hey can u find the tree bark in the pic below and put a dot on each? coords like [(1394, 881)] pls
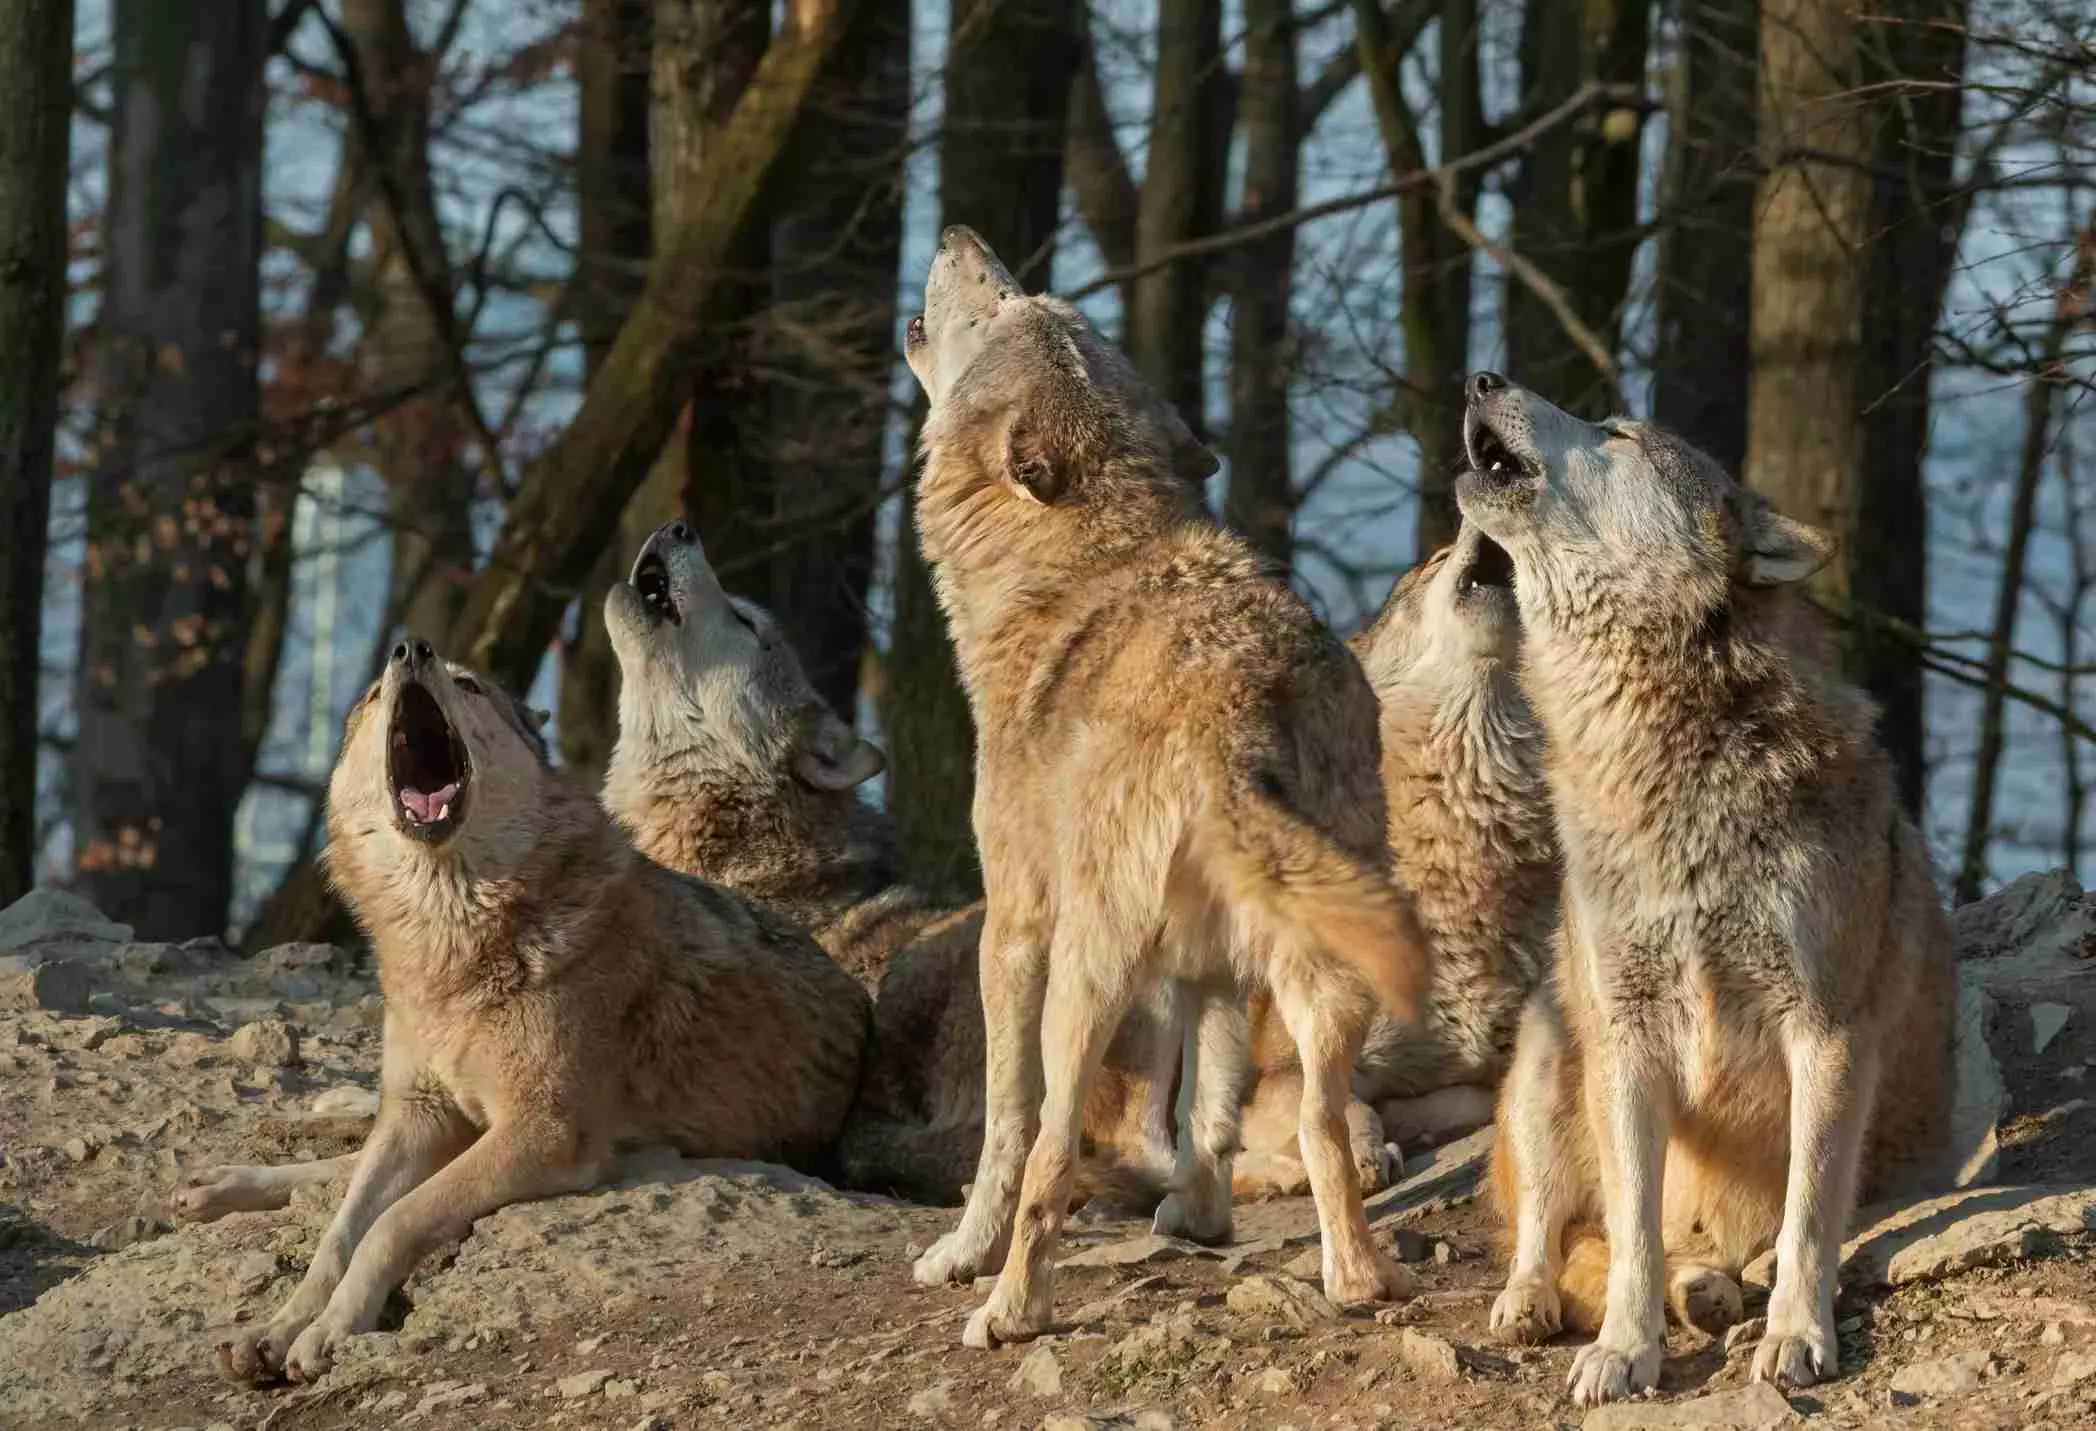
[(36, 106), (1575, 206), (1699, 371), (1179, 199), (159, 767), (836, 247), (568, 505), (1001, 171), (613, 189), (1916, 225), (1261, 497)]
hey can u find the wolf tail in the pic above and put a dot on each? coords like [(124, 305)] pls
[(1301, 877)]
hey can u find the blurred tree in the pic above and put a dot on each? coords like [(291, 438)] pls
[(160, 764), (1001, 173), (36, 100)]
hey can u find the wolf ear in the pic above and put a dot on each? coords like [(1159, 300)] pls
[(834, 758), (1038, 461), (1191, 459), (1780, 551)]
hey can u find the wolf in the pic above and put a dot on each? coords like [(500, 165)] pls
[(1176, 776), (550, 995), (1471, 841), (1750, 1010)]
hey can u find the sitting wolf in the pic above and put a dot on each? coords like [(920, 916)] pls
[(549, 993), (1751, 1007)]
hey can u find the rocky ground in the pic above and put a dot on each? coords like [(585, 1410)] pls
[(724, 1294)]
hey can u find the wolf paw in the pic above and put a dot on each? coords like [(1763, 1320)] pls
[(993, 1326), (1705, 1299), (211, 1193), (1527, 1312), (313, 1355), (256, 1354), (956, 1257), (1796, 1353), (1601, 1372), (1375, 1279), (1177, 1216)]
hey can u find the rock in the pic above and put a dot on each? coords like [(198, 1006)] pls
[(2073, 1369), (621, 1388), (653, 1421), (79, 1150), (2039, 918), (254, 1272), (55, 924), (443, 1397), (1429, 1357), (1137, 1252), (581, 1384), (1288, 1299), (1978, 1227), (1751, 1408), (126, 1232), (1409, 1244), (347, 1100), (1039, 1373), (1947, 1376), (1744, 1334), (59, 988), (2046, 1022), (1978, 1094), (1275, 1382), (267, 1043), (1444, 1255), (934, 1400)]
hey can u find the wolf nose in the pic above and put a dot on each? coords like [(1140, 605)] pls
[(957, 233), (1483, 385), (413, 651), (679, 532)]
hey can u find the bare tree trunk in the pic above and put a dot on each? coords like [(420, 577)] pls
[(1805, 426), (1001, 171), (1575, 207), (159, 768), (836, 248), (568, 504), (1179, 199), (1699, 373), (36, 108), (612, 193), (1915, 226), (1261, 498)]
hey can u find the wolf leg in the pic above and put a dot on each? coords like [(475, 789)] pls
[(508, 1163), (418, 1132), (1014, 978), (1090, 978), (1539, 1171), (210, 1193), (1830, 1093), (1628, 1104), (1216, 1062)]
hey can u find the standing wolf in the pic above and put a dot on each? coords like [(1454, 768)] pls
[(1175, 777), (1753, 988), (549, 995)]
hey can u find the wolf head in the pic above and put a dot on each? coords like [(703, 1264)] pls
[(1619, 506), (709, 686), (438, 766), (1452, 611), (1029, 405)]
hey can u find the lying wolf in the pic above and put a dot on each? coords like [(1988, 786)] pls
[(549, 993), (1176, 777), (1753, 989), (1471, 841)]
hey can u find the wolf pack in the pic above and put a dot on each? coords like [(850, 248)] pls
[(1584, 836)]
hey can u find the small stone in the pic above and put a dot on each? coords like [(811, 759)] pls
[(1411, 1245), (2073, 1369), (1948, 1376), (581, 1384), (126, 1232), (1290, 1299), (1136, 1252), (934, 1400), (1744, 1334), (78, 1149), (54, 988), (620, 1388), (1444, 1255), (653, 1421), (2054, 1335), (1429, 1357), (266, 1043), (1039, 1374), (1275, 1382)]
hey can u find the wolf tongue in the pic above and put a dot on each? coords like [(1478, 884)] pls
[(431, 806)]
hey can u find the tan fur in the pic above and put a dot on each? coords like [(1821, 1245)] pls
[(1471, 841), (1750, 1013), (550, 995), (1176, 776)]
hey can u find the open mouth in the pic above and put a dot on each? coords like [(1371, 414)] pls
[(1490, 569), (1488, 452), (426, 766), (651, 578)]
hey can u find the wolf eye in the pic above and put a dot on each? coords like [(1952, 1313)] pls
[(467, 684)]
